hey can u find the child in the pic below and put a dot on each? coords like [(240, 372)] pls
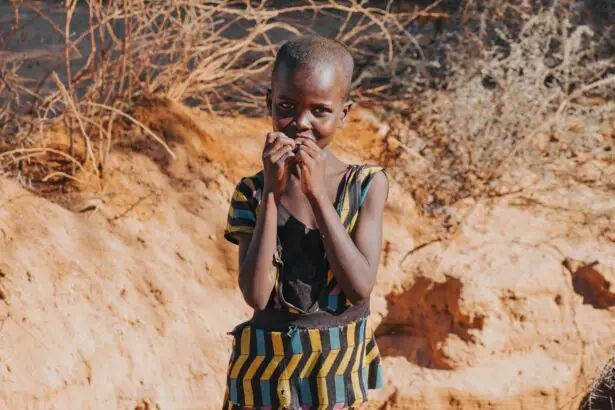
[(309, 230)]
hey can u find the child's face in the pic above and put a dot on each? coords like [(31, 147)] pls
[(309, 102)]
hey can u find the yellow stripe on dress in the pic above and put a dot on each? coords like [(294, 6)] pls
[(355, 372), (247, 380), (239, 196), (369, 332), (250, 184), (273, 364), (346, 201), (371, 355), (350, 334), (292, 365), (245, 351), (309, 365), (238, 228), (323, 396), (278, 347), (315, 340), (245, 340), (278, 355), (344, 363), (316, 345), (353, 222), (284, 394), (238, 365), (329, 276), (326, 366)]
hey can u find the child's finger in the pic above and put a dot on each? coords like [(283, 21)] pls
[(305, 158), (274, 136), (281, 136), (310, 151), (311, 148), (280, 152), (281, 142), (284, 158), (307, 142), (277, 150), (272, 150), (271, 137)]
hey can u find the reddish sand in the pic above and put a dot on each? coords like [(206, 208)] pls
[(128, 305)]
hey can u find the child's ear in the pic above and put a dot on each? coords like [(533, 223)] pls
[(269, 106), (345, 112)]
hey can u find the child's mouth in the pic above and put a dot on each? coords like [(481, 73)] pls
[(308, 137)]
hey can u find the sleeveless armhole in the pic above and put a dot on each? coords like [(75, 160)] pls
[(356, 191), (366, 182)]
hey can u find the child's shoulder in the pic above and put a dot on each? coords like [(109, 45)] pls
[(249, 188), (364, 176), (367, 171), (370, 168), (254, 182)]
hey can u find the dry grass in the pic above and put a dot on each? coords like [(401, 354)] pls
[(215, 55), (500, 87), (541, 94)]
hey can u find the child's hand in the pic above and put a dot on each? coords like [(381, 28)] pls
[(278, 150), (311, 160)]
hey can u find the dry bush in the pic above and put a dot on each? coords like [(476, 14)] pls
[(471, 89), (213, 55), (531, 96)]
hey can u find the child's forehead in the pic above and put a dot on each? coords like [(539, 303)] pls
[(323, 79)]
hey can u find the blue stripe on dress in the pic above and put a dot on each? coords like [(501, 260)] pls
[(260, 342), (265, 393), (332, 301), (295, 343), (364, 193), (234, 390), (334, 336), (361, 330), (244, 214), (340, 389), (379, 381), (304, 390)]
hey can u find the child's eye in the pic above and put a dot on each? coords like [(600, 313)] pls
[(285, 106), (320, 111)]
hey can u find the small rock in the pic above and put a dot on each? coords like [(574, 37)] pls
[(393, 143), (590, 172), (503, 189), (383, 130)]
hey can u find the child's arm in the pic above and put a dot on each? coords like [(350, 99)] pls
[(353, 258), (256, 269)]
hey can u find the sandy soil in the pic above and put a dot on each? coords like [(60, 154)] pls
[(127, 304)]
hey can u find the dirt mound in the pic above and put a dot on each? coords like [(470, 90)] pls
[(123, 297)]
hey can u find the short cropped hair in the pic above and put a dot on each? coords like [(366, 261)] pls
[(312, 51)]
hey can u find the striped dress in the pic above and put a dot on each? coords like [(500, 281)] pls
[(314, 354)]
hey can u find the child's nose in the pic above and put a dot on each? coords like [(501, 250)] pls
[(303, 122)]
